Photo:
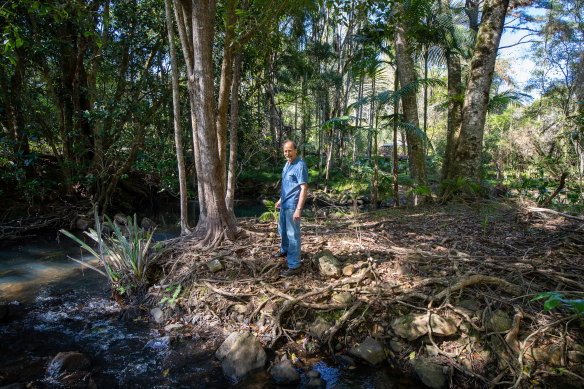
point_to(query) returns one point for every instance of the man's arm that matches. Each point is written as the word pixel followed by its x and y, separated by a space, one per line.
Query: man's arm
pixel 301 201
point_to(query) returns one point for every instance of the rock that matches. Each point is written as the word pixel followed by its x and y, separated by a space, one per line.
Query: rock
pixel 430 374
pixel 159 343
pixel 71 360
pixel 412 327
pixel 328 265
pixel 285 373
pixel 348 270
pixel 214 265
pixel 240 354
pixel 396 346
pixel 500 322
pixel 157 315
pixel 344 298
pixel 147 223
pixel 319 326
pixel 370 351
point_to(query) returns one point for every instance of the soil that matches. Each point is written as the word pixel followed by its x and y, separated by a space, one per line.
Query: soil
pixel 430 260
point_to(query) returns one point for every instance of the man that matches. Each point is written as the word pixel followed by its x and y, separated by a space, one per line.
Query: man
pixel 292 199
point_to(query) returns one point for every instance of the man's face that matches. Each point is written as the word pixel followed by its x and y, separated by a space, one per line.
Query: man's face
pixel 290 152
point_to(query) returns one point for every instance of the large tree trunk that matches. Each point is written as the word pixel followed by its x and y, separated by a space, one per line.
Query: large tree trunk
pixel 217 223
pixel 468 152
pixel 454 108
pixel 178 143
pixel 407 75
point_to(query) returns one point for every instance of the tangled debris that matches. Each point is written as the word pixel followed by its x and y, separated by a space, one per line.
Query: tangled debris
pixel 452 285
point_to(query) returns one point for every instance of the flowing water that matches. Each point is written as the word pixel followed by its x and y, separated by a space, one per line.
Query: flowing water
pixel 55 305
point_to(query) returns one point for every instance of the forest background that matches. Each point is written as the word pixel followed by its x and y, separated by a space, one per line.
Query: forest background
pixel 87 95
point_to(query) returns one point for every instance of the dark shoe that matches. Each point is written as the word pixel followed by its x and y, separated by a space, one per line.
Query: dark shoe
pixel 279 254
pixel 291 272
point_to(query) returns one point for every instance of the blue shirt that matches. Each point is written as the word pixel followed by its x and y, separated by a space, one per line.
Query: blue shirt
pixel 293 175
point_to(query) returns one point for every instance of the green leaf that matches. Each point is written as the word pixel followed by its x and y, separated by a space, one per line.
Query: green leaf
pixel 551 303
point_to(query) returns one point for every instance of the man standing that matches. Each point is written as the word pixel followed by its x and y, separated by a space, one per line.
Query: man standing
pixel 292 198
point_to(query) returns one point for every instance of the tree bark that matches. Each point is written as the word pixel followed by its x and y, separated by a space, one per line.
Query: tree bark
pixel 217 223
pixel 407 75
pixel 468 151
pixel 454 109
pixel 234 116
pixel 178 143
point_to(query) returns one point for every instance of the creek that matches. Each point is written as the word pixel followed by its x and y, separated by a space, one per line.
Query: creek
pixel 52 304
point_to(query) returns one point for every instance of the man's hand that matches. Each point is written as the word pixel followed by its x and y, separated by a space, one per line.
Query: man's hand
pixel 277 205
pixel 296 216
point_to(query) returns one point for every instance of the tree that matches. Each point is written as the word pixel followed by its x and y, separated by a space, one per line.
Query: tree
pixel 468 150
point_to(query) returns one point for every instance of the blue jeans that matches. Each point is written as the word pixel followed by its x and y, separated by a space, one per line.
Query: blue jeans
pixel 290 234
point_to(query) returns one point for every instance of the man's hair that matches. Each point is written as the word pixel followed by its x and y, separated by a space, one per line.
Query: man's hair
pixel 289 141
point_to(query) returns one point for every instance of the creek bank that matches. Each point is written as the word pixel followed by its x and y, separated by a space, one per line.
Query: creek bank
pixel 439 297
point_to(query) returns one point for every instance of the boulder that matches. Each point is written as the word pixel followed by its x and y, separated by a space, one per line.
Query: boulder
pixel 319 326
pixel 285 373
pixel 70 360
pixel 412 327
pixel 431 374
pixel 328 265
pixel 500 322
pixel 370 351
pixel 240 354
pixel 214 265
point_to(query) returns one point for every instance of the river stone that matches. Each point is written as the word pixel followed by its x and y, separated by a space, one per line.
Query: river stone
pixel 157 315
pixel 70 360
pixel 430 374
pixel 344 298
pixel 240 354
pixel 313 374
pixel 214 266
pixel 319 326
pixel 500 322
pixel 328 265
pixel 370 350
pixel 412 327
pixel 285 373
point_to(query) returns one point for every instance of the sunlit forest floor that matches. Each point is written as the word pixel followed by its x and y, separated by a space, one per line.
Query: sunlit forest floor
pixel 480 266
